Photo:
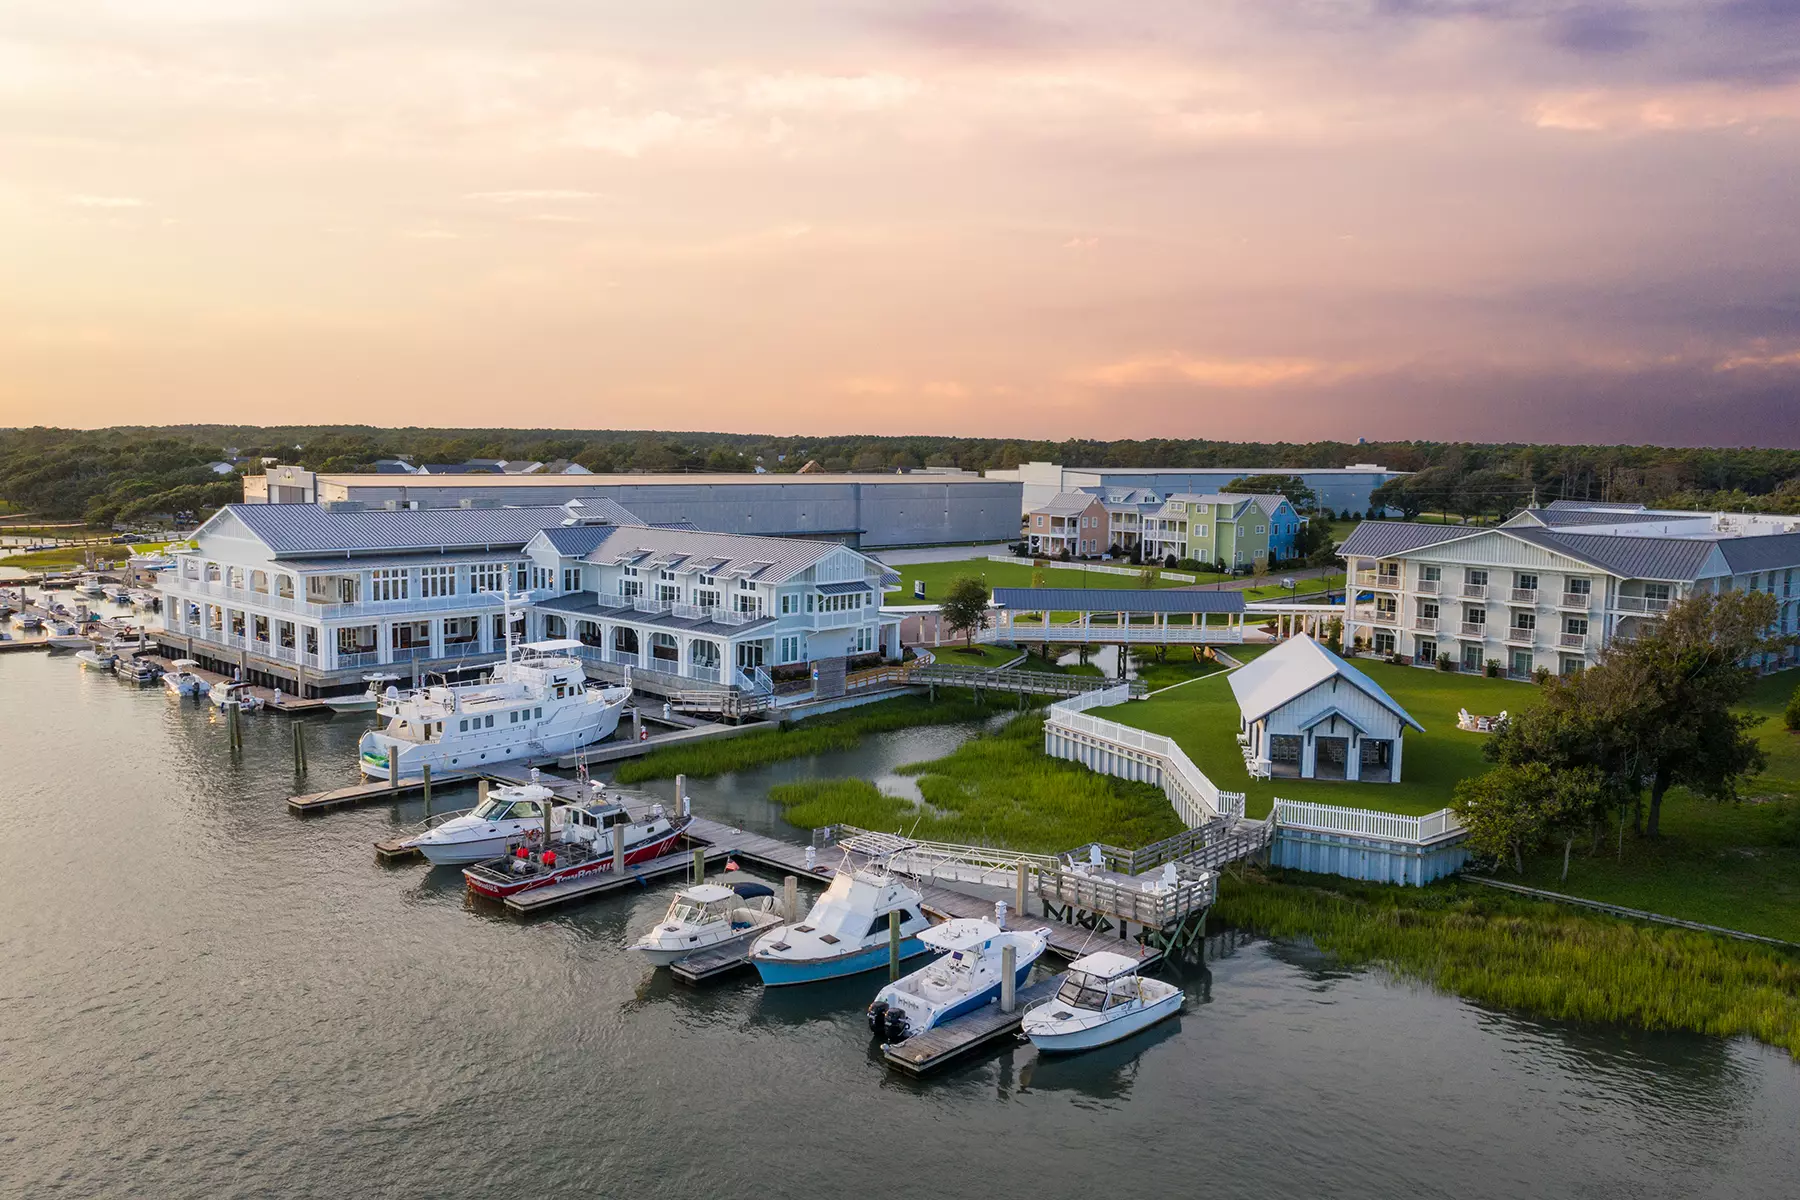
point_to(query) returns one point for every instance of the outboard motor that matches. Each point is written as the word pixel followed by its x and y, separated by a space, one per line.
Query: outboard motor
pixel 898 1028
pixel 878 1017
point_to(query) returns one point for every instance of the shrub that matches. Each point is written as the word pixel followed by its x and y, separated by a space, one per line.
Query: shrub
pixel 1446 663
pixel 1170 562
pixel 1541 676
pixel 1792 715
pixel 1394 659
pixel 1493 668
pixel 1064 554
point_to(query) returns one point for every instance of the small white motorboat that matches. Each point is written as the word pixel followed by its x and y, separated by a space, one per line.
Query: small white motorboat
pixel 366 700
pixel 92 585
pixel 707 916
pixel 846 931
pixel 1103 1000
pixel 508 815
pixel 181 680
pixel 232 693
pixel 966 976
pixel 99 658
pixel 27 621
pixel 133 669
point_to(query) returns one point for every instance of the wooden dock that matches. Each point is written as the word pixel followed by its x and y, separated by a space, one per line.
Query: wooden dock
pixel 370 792
pixel 926 1052
pixel 603 883
pixel 710 964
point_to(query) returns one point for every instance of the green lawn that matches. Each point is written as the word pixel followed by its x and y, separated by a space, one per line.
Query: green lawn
pixel 1203 719
pixel 1304 587
pixel 978 655
pixel 64 557
pixel 938 575
pixel 1736 865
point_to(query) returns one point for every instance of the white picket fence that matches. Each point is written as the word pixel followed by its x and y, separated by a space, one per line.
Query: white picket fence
pixel 1077 565
pixel 1364 822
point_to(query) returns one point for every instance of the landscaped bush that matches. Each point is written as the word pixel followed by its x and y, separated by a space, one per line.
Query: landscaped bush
pixel 1170 562
pixel 1792 715
pixel 1541 676
pixel 1446 663
pixel 1493 668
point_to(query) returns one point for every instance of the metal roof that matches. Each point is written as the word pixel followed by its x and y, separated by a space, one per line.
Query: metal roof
pixel 842 589
pixel 1764 552
pixel 1128 600
pixel 1064 504
pixel 1561 517
pixel 1379 539
pixel 362 562
pixel 1600 505
pixel 584 605
pixel 1626 556
pixel 769 559
pixel 1296 667
pixel 307 529
pixel 576 541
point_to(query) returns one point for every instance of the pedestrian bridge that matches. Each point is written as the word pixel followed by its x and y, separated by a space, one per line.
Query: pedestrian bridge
pixel 1116 616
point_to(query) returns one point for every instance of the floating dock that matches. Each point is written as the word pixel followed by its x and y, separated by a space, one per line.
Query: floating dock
pixel 926 1052
pixel 367 793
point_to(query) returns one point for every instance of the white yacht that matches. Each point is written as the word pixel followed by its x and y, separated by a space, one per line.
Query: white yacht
pixel 508 815
pixel 966 976
pixel 846 931
pixel 92 585
pixel 101 658
pixel 181 679
pixel 708 916
pixel 231 693
pixel 1103 999
pixel 367 700
pixel 537 704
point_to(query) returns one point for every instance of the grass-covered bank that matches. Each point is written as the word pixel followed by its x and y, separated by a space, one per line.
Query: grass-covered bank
pixel 816 735
pixel 64 557
pixel 995 789
pixel 1534 957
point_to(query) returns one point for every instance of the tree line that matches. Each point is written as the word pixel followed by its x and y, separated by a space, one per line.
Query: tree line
pixel 126 472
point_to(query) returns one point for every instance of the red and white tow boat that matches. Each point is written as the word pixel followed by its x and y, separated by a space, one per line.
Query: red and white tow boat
pixel 581 845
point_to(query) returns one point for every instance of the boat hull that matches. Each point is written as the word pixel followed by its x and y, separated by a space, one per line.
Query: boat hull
pixel 1115 1030
pixel 485 884
pixel 359 704
pixel 663 956
pixel 376 753
pixel 463 853
pixel 786 973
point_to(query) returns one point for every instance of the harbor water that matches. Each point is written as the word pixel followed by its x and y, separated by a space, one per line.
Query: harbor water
pixel 204 996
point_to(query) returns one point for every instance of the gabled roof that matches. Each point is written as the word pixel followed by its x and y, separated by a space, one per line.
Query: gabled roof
pixel 1765 552
pixel 1558 518
pixel 1296 667
pixel 1599 505
pixel 296 530
pixel 1379 539
pixel 1064 504
pixel 1667 558
pixel 1126 600
pixel 766 559
pixel 575 541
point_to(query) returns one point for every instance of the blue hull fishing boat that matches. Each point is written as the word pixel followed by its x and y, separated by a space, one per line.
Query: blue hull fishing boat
pixel 845 933
pixel 967 976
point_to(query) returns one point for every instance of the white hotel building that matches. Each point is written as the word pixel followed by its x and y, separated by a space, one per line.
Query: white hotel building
pixel 308 599
pixel 682 607
pixel 1551 588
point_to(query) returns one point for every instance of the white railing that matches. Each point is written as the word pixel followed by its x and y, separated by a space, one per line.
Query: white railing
pixel 366 658
pixel 1007 630
pixel 1425 624
pixel 693 612
pixel 1572 641
pixel 197 589
pixel 1428 586
pixel 1642 604
pixel 1579 600
pixel 1519 633
pixel 1475 591
pixel 605 600
pixel 1524 595
pixel 645 605
pixel 1474 629
pixel 1178 576
pixel 1364 822
pixel 1195 797
pixel 732 616
pixel 989 865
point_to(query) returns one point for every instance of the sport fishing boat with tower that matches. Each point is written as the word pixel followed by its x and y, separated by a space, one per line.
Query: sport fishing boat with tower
pixel 535 704
pixel 847 930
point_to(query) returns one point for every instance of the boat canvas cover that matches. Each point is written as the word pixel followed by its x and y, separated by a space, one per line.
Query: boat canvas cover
pixel 1104 965
pixel 708 893
pixel 961 933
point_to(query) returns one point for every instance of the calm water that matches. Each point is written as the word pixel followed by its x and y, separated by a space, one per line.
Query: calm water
pixel 203 996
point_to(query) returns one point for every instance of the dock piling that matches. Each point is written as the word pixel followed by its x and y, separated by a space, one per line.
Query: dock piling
pixel 790 898
pixel 234 729
pixel 699 866
pixel 1019 889
pixel 299 749
pixel 481 790
pixel 681 800
pixel 618 843
pixel 893 945
pixel 425 780
pixel 1009 969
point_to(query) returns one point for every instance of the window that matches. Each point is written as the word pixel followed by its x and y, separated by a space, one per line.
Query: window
pixel 668 593
pixel 1428 609
pixel 571 579
pixel 1656 591
pixel 666 575
pixel 1525 581
pixel 1476 576
pixel 487 577
pixel 1384 642
pixel 488 721
pixel 519 577
pixel 537 714
pixel 513 716
pixel 706 597
pixel 787 603
pixel 1474 616
pixel 462 726
pixel 1579 587
pixel 631 587
pixel 540 578
pixel 1199 531
pixel 1431 574
pixel 1425 650
pixel 1575 625
pixel 1524 620
pixel 789 650
pixel 809 602
pixel 437 581
pixel 388 584
pixel 1261 529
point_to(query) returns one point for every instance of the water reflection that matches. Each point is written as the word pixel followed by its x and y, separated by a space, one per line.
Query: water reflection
pixel 1105 1073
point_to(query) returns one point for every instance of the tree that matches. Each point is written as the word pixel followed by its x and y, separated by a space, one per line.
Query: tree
pixel 964 606
pixel 1792 716
pixel 1514 808
pixel 1303 498
pixel 1671 690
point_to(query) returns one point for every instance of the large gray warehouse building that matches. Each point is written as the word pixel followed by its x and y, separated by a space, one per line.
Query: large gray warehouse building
pixel 1338 488
pixel 866 511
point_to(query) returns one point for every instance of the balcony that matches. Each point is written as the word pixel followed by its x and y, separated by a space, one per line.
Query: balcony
pixel 1380 579
pixel 1522 634
pixel 1572 641
pixel 1475 591
pixel 1428 587
pixel 1576 600
pixel 1653 606
pixel 1474 629
pixel 1425 624
pixel 1524 595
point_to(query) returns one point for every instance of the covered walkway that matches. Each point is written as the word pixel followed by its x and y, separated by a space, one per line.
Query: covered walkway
pixel 1116 616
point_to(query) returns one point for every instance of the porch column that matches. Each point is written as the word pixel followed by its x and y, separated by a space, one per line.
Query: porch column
pixel 1399 737
pixel 1353 760
pixel 437 636
pixel 384 642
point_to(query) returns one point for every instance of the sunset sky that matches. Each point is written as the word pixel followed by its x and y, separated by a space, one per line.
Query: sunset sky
pixel 1484 219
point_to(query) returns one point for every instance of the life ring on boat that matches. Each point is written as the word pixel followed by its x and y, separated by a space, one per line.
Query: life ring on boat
pixel 532 835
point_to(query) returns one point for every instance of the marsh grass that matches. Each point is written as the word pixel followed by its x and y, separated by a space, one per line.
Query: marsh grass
pixel 1537 958
pixel 995 789
pixel 817 735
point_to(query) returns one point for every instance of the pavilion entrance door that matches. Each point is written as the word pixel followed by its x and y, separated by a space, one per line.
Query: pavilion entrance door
pixel 1330 756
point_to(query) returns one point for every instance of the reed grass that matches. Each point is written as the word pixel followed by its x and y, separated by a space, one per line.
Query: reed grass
pixel 996 789
pixel 816 735
pixel 1537 958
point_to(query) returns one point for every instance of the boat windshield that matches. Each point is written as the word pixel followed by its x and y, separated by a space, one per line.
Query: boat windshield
pixel 489 810
pixel 1078 991
pixel 689 912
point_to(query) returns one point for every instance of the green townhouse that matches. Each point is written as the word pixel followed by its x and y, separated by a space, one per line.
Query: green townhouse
pixel 1237 530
